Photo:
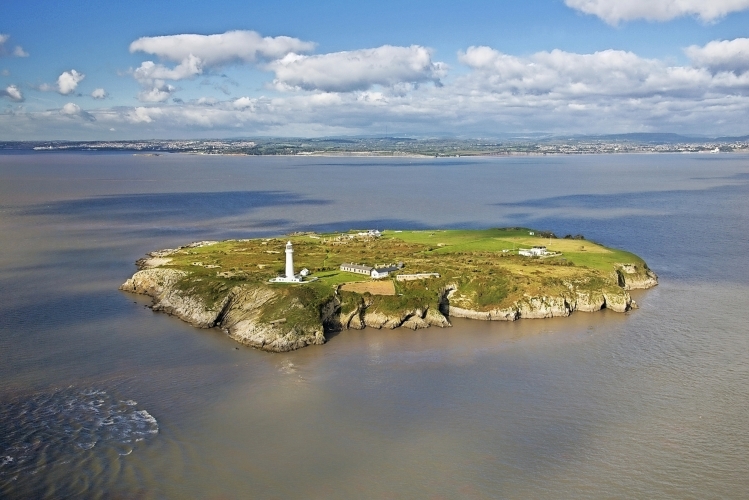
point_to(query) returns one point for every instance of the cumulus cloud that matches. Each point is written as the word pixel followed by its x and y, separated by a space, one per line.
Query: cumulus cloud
pixel 160 92
pixel 142 115
pixel 68 81
pixel 99 94
pixel 17 51
pixel 244 103
pixel 357 69
pixel 148 71
pixel 194 53
pixel 604 74
pixel 615 11
pixel 74 111
pixel 12 92
pixel 722 55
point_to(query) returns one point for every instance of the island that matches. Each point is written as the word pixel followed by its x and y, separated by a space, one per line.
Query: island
pixel 282 294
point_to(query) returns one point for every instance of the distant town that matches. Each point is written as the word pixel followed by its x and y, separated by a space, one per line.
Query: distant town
pixel 405 146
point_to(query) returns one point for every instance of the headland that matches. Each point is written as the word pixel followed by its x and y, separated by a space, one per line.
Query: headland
pixel 251 289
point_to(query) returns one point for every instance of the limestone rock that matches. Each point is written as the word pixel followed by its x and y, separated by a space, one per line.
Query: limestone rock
pixel 435 318
pixel 589 301
pixel 152 282
pixel 617 300
pixel 543 307
pixel 633 277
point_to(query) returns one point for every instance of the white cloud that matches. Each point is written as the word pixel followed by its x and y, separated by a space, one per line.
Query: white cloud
pixel 195 53
pixel 159 93
pixel 68 81
pixel 206 101
pixel 605 74
pixel 142 115
pixel 722 55
pixel 244 103
pixel 220 49
pixel 17 50
pixel 148 71
pixel 615 11
pixel 99 94
pixel 12 92
pixel 70 109
pixel 357 69
pixel 73 110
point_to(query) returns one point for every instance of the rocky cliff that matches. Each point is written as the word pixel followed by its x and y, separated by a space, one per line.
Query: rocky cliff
pixel 537 307
pixel 633 277
pixel 239 313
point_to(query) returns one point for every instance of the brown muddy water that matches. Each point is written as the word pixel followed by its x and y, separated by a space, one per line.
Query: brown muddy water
pixel 102 398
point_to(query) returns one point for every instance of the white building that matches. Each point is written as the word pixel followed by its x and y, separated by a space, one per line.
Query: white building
pixel 356 268
pixel 382 272
pixel 533 252
pixel 373 272
pixel 370 233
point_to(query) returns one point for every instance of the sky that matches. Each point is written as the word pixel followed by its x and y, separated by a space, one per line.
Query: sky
pixel 92 70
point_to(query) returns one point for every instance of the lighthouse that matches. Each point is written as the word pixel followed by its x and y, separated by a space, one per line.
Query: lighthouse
pixel 289 261
pixel 289 276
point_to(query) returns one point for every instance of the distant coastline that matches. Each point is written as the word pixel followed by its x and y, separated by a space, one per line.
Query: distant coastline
pixel 404 146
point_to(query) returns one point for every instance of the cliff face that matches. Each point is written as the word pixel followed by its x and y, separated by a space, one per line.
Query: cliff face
pixel 633 277
pixel 238 313
pixel 365 316
pixel 615 299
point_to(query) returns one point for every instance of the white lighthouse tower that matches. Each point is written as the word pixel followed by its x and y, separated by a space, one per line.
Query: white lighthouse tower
pixel 289 261
pixel 289 276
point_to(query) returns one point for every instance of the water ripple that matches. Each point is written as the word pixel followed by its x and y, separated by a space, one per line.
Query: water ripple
pixel 63 428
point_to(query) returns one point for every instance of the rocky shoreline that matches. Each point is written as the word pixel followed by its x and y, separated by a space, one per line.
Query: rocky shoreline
pixel 239 312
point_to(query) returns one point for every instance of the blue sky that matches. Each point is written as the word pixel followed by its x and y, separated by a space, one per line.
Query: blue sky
pixel 121 70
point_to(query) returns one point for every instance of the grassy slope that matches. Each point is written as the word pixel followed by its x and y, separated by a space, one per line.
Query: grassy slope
pixel 486 276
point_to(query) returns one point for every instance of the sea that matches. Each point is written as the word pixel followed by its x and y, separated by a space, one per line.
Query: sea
pixel 103 398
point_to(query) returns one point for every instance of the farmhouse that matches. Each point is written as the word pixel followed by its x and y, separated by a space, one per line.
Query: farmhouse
pixel 533 252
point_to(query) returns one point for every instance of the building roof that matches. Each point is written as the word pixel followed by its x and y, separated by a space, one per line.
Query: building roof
pixel 357 266
pixel 388 269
